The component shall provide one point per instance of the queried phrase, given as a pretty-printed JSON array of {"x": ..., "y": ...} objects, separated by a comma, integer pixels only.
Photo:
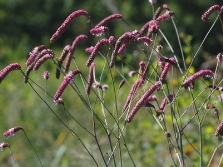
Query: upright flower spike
[
  {"x": 5, "y": 71},
  {"x": 95, "y": 51},
  {"x": 3, "y": 146},
  {"x": 72, "y": 50},
  {"x": 68, "y": 79},
  {"x": 34, "y": 53},
  {"x": 205, "y": 16},
  {"x": 140, "y": 103},
  {"x": 67, "y": 22},
  {"x": 108, "y": 19},
  {"x": 11, "y": 132},
  {"x": 191, "y": 79},
  {"x": 159, "y": 10},
  {"x": 132, "y": 91},
  {"x": 63, "y": 55},
  {"x": 219, "y": 130},
  {"x": 90, "y": 78}
]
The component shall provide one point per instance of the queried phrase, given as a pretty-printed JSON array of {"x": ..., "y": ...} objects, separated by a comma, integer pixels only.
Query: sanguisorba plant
[{"x": 180, "y": 103}]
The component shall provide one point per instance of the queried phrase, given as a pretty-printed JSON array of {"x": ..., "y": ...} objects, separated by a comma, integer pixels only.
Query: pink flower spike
[
  {"x": 205, "y": 16},
  {"x": 121, "y": 83},
  {"x": 219, "y": 130},
  {"x": 166, "y": 68},
  {"x": 90, "y": 78},
  {"x": 111, "y": 40},
  {"x": 38, "y": 63},
  {"x": 95, "y": 51},
  {"x": 147, "y": 41},
  {"x": 11, "y": 132},
  {"x": 137, "y": 106},
  {"x": 99, "y": 31},
  {"x": 165, "y": 16},
  {"x": 132, "y": 91},
  {"x": 124, "y": 45},
  {"x": 89, "y": 49},
  {"x": 3, "y": 146},
  {"x": 132, "y": 73},
  {"x": 5, "y": 71},
  {"x": 191, "y": 79},
  {"x": 159, "y": 10},
  {"x": 153, "y": 27},
  {"x": 166, "y": 100},
  {"x": 67, "y": 22},
  {"x": 34, "y": 53},
  {"x": 108, "y": 19},
  {"x": 46, "y": 75},
  {"x": 68, "y": 79}
]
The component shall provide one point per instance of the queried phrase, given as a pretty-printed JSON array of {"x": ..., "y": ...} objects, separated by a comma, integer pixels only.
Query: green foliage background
[{"x": 26, "y": 24}]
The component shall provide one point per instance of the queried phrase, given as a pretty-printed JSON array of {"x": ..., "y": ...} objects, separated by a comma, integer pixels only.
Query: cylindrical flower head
[
  {"x": 89, "y": 49},
  {"x": 5, "y": 71},
  {"x": 90, "y": 78},
  {"x": 205, "y": 16},
  {"x": 124, "y": 45},
  {"x": 165, "y": 16},
  {"x": 108, "y": 19},
  {"x": 166, "y": 69},
  {"x": 11, "y": 132},
  {"x": 149, "y": 92},
  {"x": 124, "y": 36},
  {"x": 153, "y": 27},
  {"x": 132, "y": 91},
  {"x": 3, "y": 146},
  {"x": 67, "y": 22},
  {"x": 159, "y": 10},
  {"x": 68, "y": 79},
  {"x": 95, "y": 50},
  {"x": 63, "y": 55},
  {"x": 191, "y": 79},
  {"x": 121, "y": 83},
  {"x": 49, "y": 55},
  {"x": 166, "y": 100},
  {"x": 219, "y": 130},
  {"x": 147, "y": 41},
  {"x": 33, "y": 54},
  {"x": 219, "y": 58},
  {"x": 99, "y": 31},
  {"x": 72, "y": 50}
]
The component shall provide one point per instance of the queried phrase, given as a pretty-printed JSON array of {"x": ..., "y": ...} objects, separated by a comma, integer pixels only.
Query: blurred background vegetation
[{"x": 26, "y": 24}]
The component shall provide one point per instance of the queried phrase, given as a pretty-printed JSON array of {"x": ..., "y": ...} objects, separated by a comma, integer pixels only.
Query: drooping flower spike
[
  {"x": 123, "y": 37},
  {"x": 5, "y": 71},
  {"x": 159, "y": 10},
  {"x": 137, "y": 106},
  {"x": 11, "y": 132},
  {"x": 99, "y": 31},
  {"x": 3, "y": 146},
  {"x": 121, "y": 83},
  {"x": 108, "y": 19},
  {"x": 49, "y": 55},
  {"x": 191, "y": 79},
  {"x": 90, "y": 78},
  {"x": 68, "y": 79},
  {"x": 205, "y": 16},
  {"x": 34, "y": 53},
  {"x": 165, "y": 69},
  {"x": 165, "y": 16},
  {"x": 95, "y": 50},
  {"x": 63, "y": 55},
  {"x": 132, "y": 91},
  {"x": 72, "y": 50},
  {"x": 166, "y": 100},
  {"x": 67, "y": 22},
  {"x": 219, "y": 130}
]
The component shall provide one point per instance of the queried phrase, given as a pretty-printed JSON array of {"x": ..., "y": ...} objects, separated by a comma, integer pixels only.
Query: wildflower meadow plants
[{"x": 121, "y": 109}]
